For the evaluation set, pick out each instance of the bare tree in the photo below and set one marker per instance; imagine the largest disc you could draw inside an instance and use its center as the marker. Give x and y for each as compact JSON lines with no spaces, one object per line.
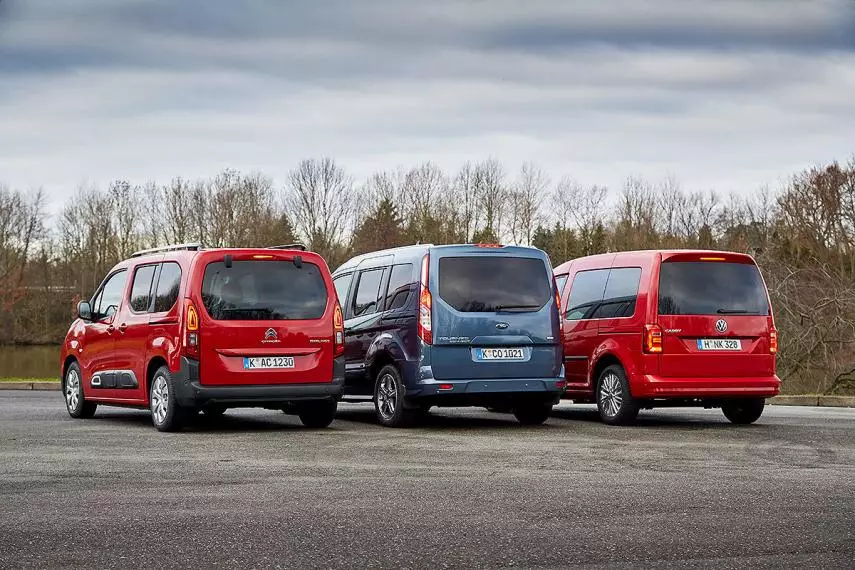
{"x":526,"y":198}
{"x":492,"y":193}
{"x":321,"y":201}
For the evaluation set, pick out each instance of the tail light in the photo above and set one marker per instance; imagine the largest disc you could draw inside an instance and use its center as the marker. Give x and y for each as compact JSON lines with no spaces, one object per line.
{"x":338,"y":330}
{"x":652,"y":339}
{"x":558,"y":306}
{"x":425,"y":304}
{"x":773,"y":341}
{"x":489,"y":245}
{"x":191,"y":329}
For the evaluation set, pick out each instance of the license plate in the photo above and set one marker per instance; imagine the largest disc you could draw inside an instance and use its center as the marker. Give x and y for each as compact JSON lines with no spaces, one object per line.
{"x":499,"y":354}
{"x":719,"y":344}
{"x":268,"y":362}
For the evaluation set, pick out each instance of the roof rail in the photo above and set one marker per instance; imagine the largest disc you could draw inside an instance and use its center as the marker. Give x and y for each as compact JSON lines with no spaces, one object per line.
{"x":298,"y":246}
{"x":175,"y":247}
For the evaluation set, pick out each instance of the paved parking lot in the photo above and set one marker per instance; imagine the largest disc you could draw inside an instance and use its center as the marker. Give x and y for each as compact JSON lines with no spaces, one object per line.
{"x":469,"y":488}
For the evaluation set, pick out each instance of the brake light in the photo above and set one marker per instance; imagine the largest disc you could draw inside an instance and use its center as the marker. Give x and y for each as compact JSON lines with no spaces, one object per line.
{"x":488,"y":245}
{"x":652,"y":339}
{"x":191,"y":329}
{"x":425,"y":304}
{"x":558,"y":306}
{"x":773,"y":341}
{"x":338,"y":330}
{"x":713,"y":259}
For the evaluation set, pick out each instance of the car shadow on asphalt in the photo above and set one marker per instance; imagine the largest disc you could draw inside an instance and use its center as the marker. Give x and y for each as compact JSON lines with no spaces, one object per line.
{"x":649,"y":419}
{"x":437,"y":420}
{"x":202,"y":424}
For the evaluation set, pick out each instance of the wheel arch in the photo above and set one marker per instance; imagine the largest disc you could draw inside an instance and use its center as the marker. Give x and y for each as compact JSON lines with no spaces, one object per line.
{"x":604,"y":361}
{"x":66,"y":364}
{"x":381,"y":359}
{"x":385,"y":350}
{"x":153,"y":365}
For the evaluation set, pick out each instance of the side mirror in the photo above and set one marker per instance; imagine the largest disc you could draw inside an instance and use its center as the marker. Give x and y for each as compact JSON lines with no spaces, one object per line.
{"x":84,"y":310}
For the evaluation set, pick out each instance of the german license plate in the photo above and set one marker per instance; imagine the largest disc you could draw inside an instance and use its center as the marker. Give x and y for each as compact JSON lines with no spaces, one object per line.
{"x":719,"y":344}
{"x":268,"y":362}
{"x":499,"y":354}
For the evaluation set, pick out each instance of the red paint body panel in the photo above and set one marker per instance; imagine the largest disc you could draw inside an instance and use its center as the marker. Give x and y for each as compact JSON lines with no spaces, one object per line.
{"x":133,"y":342}
{"x":681,"y":370}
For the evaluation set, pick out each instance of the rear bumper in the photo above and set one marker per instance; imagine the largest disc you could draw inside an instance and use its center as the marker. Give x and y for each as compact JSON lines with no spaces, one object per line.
{"x":486,"y":391}
{"x":190,"y":392}
{"x":649,"y":386}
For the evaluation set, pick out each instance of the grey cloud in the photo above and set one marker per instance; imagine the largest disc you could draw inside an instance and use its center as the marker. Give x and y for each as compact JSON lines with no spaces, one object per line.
{"x":712,"y":91}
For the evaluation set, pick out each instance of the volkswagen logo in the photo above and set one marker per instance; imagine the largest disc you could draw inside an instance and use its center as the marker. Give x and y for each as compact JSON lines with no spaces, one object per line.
{"x":502,"y":326}
{"x":721,"y":325}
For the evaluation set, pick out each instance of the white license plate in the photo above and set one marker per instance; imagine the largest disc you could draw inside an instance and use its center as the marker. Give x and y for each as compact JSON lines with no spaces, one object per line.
{"x":719,"y":344}
{"x":268,"y":362}
{"x":491,"y":354}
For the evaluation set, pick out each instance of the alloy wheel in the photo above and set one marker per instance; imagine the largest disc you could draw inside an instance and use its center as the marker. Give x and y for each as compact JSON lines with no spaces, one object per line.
{"x":611,"y":395}
{"x":387,"y":396}
{"x":159,"y":399}
{"x":72,"y":390}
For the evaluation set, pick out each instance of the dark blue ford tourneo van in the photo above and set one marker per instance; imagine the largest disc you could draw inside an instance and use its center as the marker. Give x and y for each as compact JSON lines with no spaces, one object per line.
{"x":452,"y":325}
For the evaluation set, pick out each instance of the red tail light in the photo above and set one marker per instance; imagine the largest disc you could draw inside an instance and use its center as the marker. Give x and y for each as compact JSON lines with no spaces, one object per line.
{"x":773,"y":341}
{"x":558,"y":306}
{"x":191,"y":330}
{"x":488,"y":245}
{"x":425,"y":304}
{"x":652,"y":339}
{"x":338,"y":330}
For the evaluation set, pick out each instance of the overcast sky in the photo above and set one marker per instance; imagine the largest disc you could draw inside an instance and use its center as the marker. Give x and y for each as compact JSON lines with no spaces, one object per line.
{"x":725,"y":95}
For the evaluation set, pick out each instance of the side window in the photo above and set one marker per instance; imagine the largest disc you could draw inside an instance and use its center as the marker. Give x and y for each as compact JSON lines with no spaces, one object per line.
{"x":621,"y":294}
{"x":560,"y":282}
{"x":342,"y":286}
{"x":400,"y":284}
{"x":141,"y":288}
{"x":586,"y":293}
{"x":168,"y":286}
{"x":110,"y":297}
{"x":367,"y":292}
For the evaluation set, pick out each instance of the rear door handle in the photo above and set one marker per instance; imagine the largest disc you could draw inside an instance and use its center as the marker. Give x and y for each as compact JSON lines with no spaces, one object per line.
{"x":123,"y":327}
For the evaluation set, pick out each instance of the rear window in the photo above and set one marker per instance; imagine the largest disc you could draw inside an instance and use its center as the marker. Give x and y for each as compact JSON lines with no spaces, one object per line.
{"x":491,"y":283}
{"x":264,"y":290}
{"x":711,"y":288}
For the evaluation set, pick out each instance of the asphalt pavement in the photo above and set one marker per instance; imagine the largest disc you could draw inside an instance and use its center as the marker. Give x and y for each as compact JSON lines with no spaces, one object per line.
{"x":469,"y":488}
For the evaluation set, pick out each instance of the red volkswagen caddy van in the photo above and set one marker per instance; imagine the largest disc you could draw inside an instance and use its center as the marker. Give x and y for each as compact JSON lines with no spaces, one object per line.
{"x":644,"y":329}
{"x":183,"y":329}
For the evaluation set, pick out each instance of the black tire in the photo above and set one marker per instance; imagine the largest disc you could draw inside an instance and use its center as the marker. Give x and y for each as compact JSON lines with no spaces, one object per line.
{"x":614,"y":399}
{"x":532,"y":414}
{"x":389,"y":401}
{"x":72,"y":390}
{"x":744,"y":411}
{"x":214,"y":412}
{"x":166,"y":414}
{"x":317,"y":414}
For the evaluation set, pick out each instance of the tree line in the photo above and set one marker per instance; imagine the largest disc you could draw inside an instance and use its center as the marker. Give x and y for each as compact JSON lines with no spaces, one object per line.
{"x":802,"y":235}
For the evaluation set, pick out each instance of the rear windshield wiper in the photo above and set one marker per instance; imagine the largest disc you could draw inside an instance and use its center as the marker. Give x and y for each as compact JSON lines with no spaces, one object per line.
{"x":517,"y":307}
{"x":732,"y":311}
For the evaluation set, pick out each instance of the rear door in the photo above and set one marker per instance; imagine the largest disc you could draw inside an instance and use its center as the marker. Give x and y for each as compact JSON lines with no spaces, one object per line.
{"x":133,"y":331}
{"x":266,"y":318}
{"x":715,"y":316}
{"x":362,"y":322}
{"x":494,"y":314}
{"x":580,"y":329}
